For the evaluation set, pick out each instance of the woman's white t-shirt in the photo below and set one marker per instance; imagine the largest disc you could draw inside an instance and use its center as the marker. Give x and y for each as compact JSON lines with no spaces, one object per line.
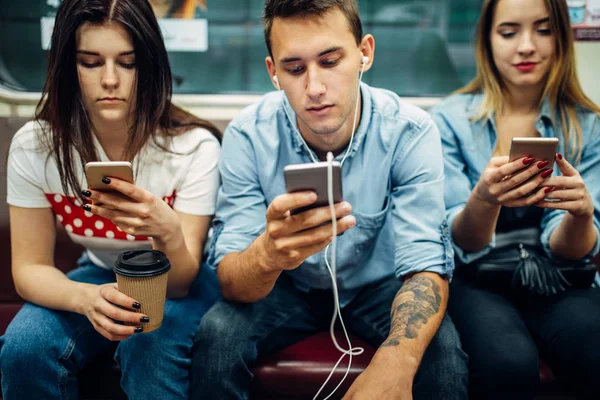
{"x":186,"y":178}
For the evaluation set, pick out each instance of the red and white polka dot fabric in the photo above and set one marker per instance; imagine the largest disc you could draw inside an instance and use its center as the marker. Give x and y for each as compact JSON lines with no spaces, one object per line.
{"x":79,"y":222}
{"x":186,"y":177}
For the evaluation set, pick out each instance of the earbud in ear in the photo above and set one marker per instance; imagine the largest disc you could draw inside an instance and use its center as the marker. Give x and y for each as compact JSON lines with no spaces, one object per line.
{"x":276,"y":80}
{"x":365,"y":59}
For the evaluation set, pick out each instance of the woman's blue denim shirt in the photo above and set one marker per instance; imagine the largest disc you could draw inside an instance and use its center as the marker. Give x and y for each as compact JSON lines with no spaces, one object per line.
{"x":468,"y":146}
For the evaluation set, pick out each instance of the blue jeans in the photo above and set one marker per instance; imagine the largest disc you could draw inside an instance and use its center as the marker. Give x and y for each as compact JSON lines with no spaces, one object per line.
{"x":233,"y":336}
{"x":43,"y":350}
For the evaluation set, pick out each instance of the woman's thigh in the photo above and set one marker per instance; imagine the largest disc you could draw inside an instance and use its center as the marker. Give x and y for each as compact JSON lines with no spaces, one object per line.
{"x":502,"y":354}
{"x":50,"y":343}
{"x":567,"y":328}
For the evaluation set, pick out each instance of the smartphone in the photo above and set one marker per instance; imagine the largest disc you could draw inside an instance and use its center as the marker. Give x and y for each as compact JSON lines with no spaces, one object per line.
{"x":542,"y":149}
{"x":313,"y":177}
{"x":97,"y":170}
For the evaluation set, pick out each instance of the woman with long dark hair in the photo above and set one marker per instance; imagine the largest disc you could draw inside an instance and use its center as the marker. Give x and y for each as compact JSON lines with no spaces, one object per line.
{"x":107,"y":97}
{"x":524,"y":231}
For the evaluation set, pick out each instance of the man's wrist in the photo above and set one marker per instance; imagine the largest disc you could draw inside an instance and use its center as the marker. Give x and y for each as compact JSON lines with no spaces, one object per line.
{"x":261,"y":255}
{"x":396,"y":359}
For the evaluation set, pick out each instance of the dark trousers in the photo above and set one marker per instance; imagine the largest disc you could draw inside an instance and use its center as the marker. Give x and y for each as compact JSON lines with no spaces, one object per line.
{"x":233,"y":336}
{"x":505,"y":333}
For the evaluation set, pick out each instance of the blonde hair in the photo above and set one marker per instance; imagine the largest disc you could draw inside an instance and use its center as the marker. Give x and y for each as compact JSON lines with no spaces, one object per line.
{"x":562,"y":87}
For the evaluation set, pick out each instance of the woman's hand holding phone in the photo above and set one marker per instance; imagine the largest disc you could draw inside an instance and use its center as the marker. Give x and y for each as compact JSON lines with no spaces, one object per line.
{"x":567,"y":192}
{"x":510,"y":183}
{"x":135,"y":210}
{"x":289,"y":239}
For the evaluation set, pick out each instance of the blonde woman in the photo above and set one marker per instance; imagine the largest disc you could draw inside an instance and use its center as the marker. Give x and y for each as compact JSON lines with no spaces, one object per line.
{"x":526,"y":86}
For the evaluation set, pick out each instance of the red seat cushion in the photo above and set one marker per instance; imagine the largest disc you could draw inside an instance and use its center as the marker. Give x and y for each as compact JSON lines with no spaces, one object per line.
{"x":299,"y":370}
{"x":7,"y":313}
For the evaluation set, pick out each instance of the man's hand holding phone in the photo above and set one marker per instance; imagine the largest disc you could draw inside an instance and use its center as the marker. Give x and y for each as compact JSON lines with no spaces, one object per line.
{"x":289,"y":239}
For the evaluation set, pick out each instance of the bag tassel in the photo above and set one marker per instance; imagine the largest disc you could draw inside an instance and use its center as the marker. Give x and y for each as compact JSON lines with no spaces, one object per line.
{"x":538,"y":276}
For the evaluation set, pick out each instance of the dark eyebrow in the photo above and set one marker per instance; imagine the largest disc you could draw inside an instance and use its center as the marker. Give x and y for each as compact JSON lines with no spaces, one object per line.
{"x":516,"y":24}
{"x":330,"y":50}
{"x":93,"y":53}
{"x":542,"y":21}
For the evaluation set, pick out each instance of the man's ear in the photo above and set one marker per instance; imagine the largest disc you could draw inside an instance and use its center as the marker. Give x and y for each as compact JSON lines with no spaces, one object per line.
{"x":272,"y":72}
{"x":367,"y":48}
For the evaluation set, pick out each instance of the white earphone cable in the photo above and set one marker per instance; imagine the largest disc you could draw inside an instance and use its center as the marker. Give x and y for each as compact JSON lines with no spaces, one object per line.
{"x":352,"y":351}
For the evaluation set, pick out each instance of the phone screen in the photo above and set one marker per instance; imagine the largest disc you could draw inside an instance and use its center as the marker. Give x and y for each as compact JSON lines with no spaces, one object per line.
{"x":313,"y":177}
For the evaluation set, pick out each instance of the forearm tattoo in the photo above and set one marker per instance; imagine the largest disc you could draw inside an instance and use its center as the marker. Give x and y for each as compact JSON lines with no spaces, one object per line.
{"x":417,"y":301}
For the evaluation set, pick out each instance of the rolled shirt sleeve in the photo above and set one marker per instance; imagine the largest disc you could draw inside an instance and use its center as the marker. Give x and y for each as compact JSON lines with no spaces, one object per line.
{"x":241,"y":205}
{"x":422,"y":238}
{"x":458,"y":187}
{"x":589,"y":169}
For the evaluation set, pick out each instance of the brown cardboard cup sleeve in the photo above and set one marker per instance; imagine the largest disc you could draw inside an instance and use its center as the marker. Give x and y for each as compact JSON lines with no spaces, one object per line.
{"x":143,"y":275}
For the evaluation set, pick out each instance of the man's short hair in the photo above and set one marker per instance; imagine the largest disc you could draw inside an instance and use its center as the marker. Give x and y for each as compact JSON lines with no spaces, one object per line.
{"x":303,"y":8}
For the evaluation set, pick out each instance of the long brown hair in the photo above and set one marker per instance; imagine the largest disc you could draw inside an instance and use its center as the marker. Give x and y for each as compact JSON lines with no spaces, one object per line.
{"x":67,"y":130}
{"x":562,"y":87}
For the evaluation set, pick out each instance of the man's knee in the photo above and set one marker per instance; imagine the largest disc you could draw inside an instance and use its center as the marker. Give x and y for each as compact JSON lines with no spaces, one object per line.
{"x":443,"y":372}
{"x":224,"y":326}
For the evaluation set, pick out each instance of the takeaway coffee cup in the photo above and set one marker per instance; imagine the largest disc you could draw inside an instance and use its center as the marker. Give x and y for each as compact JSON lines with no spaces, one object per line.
{"x":142,"y":275}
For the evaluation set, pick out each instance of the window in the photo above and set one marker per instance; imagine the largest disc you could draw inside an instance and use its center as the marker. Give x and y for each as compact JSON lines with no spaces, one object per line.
{"x":423,"y":47}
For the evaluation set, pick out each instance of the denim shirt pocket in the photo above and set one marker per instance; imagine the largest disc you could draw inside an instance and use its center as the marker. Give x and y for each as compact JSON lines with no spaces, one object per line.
{"x":368,"y":226}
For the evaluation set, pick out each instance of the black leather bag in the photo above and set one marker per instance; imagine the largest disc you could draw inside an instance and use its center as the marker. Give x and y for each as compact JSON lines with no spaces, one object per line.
{"x":519,"y":261}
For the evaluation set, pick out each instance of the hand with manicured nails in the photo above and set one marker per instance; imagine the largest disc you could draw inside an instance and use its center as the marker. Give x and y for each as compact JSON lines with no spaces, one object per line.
{"x":567,"y":192}
{"x":290,"y":239}
{"x":509,"y":183}
{"x":105,"y":306}
{"x":134,"y":210}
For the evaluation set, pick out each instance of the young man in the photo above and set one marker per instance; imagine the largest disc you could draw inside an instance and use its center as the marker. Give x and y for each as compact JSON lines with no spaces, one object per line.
{"x":395,"y":253}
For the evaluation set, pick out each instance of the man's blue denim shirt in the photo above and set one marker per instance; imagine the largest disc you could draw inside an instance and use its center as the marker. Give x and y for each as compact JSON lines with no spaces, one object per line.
{"x":393,"y":177}
{"x":468,"y":147}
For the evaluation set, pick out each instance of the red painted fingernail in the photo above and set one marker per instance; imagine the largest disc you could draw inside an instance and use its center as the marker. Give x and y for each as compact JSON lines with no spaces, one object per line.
{"x":547,"y":173}
{"x":543,"y":164}
{"x":528,"y":161}
{"x":559,"y":156}
{"x":548,"y":189}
